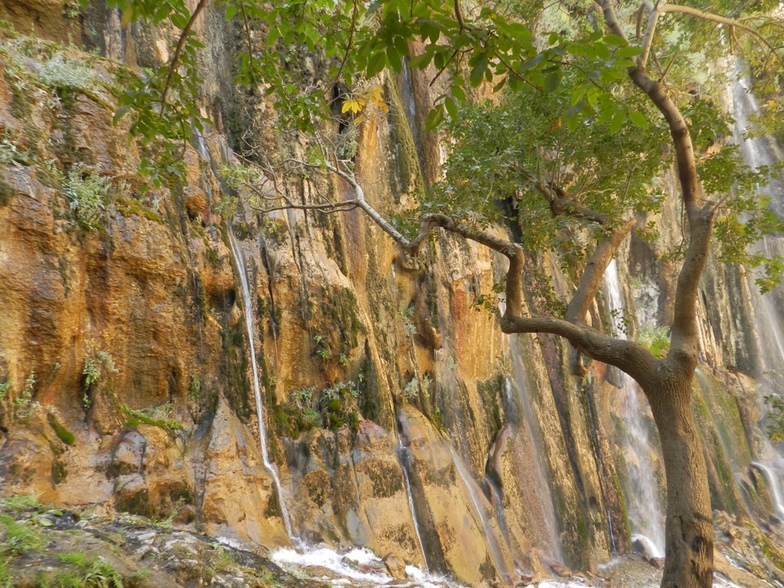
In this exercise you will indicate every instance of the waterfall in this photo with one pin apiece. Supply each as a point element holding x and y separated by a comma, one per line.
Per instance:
<point>642,499</point>
<point>768,318</point>
<point>536,471</point>
<point>247,305</point>
<point>775,488</point>
<point>491,536</point>
<point>758,152</point>
<point>403,455</point>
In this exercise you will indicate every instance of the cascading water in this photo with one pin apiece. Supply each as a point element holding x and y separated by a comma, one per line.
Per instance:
<point>758,152</point>
<point>491,535</point>
<point>239,260</point>
<point>544,520</point>
<point>775,487</point>
<point>404,456</point>
<point>248,308</point>
<point>642,499</point>
<point>768,318</point>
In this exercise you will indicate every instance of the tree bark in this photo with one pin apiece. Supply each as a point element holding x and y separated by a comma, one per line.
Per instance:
<point>689,524</point>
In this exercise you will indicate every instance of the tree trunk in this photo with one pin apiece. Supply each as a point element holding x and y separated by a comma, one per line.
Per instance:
<point>689,524</point>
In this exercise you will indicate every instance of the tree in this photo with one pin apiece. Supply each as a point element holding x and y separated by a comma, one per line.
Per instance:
<point>606,79</point>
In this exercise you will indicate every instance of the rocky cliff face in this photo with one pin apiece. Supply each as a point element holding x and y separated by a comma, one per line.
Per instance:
<point>397,415</point>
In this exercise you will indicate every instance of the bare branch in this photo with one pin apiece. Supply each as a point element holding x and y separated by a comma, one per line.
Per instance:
<point>562,205</point>
<point>591,279</point>
<point>326,208</point>
<point>647,41</point>
<point>731,22</point>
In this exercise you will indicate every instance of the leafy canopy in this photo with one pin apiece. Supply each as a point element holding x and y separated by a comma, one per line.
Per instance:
<point>566,121</point>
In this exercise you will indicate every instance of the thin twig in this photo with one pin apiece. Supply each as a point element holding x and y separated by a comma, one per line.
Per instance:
<point>349,43</point>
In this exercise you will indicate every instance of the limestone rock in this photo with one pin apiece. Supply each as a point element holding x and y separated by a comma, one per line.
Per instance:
<point>396,567</point>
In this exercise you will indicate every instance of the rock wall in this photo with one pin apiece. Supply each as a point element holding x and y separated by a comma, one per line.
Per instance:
<point>388,396</point>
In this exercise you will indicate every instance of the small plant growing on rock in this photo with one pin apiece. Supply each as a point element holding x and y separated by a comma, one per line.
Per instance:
<point>23,405</point>
<point>194,390</point>
<point>87,195</point>
<point>95,367</point>
<point>18,538</point>
<point>656,339</point>
<point>157,416</point>
<point>59,72</point>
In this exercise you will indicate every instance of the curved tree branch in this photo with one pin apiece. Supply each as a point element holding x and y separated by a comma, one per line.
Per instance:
<point>700,220</point>
<point>591,279</point>
<point>731,22</point>
<point>561,204</point>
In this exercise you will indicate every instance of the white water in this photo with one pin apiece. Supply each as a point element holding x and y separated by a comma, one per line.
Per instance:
<point>538,477</point>
<point>239,260</point>
<point>358,567</point>
<point>768,319</point>
<point>247,305</point>
<point>774,485</point>
<point>758,152</point>
<point>642,499</point>
<point>403,456</point>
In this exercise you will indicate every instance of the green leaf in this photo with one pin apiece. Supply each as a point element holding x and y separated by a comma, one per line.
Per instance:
<point>420,61</point>
<point>617,121</point>
<point>180,20</point>
<point>533,62</point>
<point>458,93</point>
<point>376,64</point>
<point>616,40</point>
<point>451,107</point>
<point>552,81</point>
<point>478,72</point>
<point>628,51</point>
<point>435,117</point>
<point>638,119</point>
<point>231,11</point>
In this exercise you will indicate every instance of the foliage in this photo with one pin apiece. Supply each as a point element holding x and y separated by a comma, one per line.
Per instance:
<point>19,537</point>
<point>61,72</point>
<point>95,367</point>
<point>87,195</point>
<point>19,503</point>
<point>416,387</point>
<point>92,572</point>
<point>656,339</point>
<point>22,406</point>
<point>157,416</point>
<point>775,417</point>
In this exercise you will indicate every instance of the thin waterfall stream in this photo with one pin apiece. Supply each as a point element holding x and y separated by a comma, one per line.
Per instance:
<point>641,496</point>
<point>491,536</point>
<point>247,306</point>
<point>775,487</point>
<point>403,455</point>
